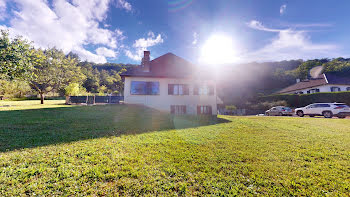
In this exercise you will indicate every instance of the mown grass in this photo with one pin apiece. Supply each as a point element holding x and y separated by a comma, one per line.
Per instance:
<point>128,150</point>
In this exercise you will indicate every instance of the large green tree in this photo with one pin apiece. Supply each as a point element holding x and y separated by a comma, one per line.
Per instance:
<point>53,71</point>
<point>15,56</point>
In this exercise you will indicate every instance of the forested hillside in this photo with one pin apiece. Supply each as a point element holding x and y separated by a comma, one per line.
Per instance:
<point>238,83</point>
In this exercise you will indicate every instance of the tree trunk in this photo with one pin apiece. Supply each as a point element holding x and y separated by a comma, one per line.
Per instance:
<point>41,98</point>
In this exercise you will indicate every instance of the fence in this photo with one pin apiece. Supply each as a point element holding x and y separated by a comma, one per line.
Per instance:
<point>241,112</point>
<point>91,100</point>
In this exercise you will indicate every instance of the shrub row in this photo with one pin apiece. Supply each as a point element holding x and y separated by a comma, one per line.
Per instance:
<point>300,100</point>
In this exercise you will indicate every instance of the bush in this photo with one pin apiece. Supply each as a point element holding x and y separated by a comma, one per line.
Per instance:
<point>74,89</point>
<point>14,88</point>
<point>267,104</point>
<point>300,100</point>
<point>230,107</point>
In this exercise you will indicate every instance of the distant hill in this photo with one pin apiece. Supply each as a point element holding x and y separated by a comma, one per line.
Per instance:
<point>108,66</point>
<point>239,82</point>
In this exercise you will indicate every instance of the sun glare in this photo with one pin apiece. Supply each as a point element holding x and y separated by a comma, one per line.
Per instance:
<point>218,49</point>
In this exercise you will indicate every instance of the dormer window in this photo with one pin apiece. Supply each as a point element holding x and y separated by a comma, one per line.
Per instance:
<point>315,90</point>
<point>335,89</point>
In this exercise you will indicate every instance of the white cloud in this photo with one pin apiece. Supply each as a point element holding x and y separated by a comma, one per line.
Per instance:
<point>120,34</point>
<point>195,38</point>
<point>88,55</point>
<point>103,51</point>
<point>67,25</point>
<point>142,44</point>
<point>259,26</point>
<point>2,10</point>
<point>289,44</point>
<point>283,9</point>
<point>123,4</point>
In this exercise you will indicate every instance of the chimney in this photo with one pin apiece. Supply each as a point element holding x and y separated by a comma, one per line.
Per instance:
<point>145,64</point>
<point>298,80</point>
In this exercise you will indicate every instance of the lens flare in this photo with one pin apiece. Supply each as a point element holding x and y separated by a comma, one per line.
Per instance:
<point>219,49</point>
<point>176,5</point>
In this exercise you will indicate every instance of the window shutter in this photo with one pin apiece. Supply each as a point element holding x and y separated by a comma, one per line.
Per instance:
<point>209,111</point>
<point>170,89</point>
<point>211,90</point>
<point>172,109</point>
<point>198,109</point>
<point>195,90</point>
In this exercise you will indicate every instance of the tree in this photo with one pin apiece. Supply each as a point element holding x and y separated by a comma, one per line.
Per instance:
<point>102,75</point>
<point>15,57</point>
<point>74,89</point>
<point>92,81</point>
<point>302,71</point>
<point>53,71</point>
<point>14,88</point>
<point>102,90</point>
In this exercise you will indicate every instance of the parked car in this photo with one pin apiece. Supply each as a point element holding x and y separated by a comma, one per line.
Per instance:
<point>328,110</point>
<point>279,111</point>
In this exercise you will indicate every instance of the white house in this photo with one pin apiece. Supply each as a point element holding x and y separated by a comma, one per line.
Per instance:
<point>170,84</point>
<point>326,82</point>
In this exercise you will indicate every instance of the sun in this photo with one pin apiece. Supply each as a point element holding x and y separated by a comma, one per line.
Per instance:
<point>218,49</point>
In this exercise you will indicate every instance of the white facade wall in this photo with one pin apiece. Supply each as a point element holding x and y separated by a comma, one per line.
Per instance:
<point>323,88</point>
<point>163,101</point>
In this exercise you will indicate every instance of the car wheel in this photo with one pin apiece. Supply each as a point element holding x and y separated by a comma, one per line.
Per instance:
<point>280,114</point>
<point>327,114</point>
<point>300,113</point>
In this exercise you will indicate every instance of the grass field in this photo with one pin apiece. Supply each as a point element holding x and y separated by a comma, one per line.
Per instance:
<point>55,149</point>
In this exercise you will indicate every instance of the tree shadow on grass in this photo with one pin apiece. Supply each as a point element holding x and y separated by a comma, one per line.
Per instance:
<point>40,127</point>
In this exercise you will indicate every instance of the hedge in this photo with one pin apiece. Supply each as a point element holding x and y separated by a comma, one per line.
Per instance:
<point>300,100</point>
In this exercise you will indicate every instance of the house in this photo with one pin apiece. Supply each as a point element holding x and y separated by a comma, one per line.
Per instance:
<point>171,84</point>
<point>326,82</point>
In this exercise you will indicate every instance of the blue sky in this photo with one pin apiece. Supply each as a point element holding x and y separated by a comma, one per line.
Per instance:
<point>205,31</point>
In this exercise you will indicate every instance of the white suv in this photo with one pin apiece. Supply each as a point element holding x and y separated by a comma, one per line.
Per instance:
<point>328,110</point>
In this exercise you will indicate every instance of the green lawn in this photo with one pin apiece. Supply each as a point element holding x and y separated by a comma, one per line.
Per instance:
<point>55,149</point>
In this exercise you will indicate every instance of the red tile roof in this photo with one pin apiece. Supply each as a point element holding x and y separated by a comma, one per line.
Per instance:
<point>168,66</point>
<point>305,84</point>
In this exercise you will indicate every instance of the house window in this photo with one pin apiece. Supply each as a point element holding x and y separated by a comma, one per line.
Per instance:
<point>178,109</point>
<point>144,88</point>
<point>178,89</point>
<point>203,90</point>
<point>204,109</point>
<point>313,91</point>
<point>335,89</point>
